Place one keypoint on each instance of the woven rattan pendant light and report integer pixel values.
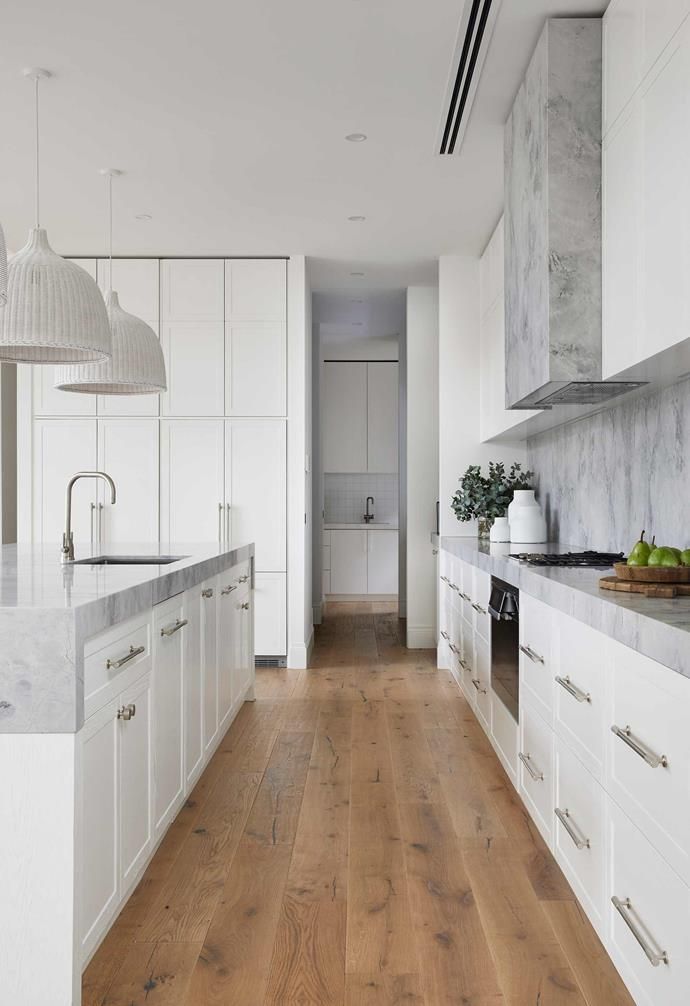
(136, 366)
(54, 312)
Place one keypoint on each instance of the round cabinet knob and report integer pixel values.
(208, 592)
(127, 712)
(245, 606)
(243, 579)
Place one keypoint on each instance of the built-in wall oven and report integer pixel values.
(504, 608)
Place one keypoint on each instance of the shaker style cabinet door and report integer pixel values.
(62, 447)
(192, 480)
(349, 561)
(194, 362)
(382, 565)
(193, 685)
(128, 452)
(209, 657)
(382, 417)
(256, 290)
(255, 368)
(256, 486)
(344, 417)
(167, 705)
(136, 777)
(270, 614)
(192, 290)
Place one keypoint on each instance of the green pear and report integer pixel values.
(663, 556)
(639, 553)
(677, 552)
(685, 557)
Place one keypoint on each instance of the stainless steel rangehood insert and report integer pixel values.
(553, 318)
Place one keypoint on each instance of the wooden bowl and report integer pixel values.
(652, 574)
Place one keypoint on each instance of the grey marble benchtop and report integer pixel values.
(48, 610)
(657, 627)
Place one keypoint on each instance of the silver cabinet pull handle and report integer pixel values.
(207, 592)
(444, 634)
(478, 607)
(93, 510)
(170, 630)
(245, 606)
(462, 663)
(567, 822)
(220, 523)
(100, 524)
(529, 652)
(434, 551)
(454, 586)
(624, 907)
(127, 712)
(452, 647)
(228, 536)
(465, 597)
(134, 651)
(527, 762)
(476, 682)
(627, 736)
(243, 578)
(229, 589)
(573, 690)
(445, 579)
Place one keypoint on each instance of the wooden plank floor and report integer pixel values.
(353, 842)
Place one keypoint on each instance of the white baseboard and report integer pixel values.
(317, 614)
(300, 653)
(421, 637)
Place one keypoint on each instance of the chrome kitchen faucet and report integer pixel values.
(369, 516)
(67, 554)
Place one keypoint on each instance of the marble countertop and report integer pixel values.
(48, 610)
(657, 627)
(361, 526)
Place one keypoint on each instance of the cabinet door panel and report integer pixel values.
(129, 405)
(344, 417)
(192, 290)
(136, 833)
(193, 684)
(382, 565)
(270, 614)
(194, 361)
(192, 479)
(62, 447)
(128, 452)
(227, 631)
(382, 417)
(244, 643)
(349, 560)
(256, 486)
(167, 718)
(256, 290)
(209, 653)
(136, 283)
(255, 369)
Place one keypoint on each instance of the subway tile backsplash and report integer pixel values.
(345, 497)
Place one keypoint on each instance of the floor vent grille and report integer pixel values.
(270, 662)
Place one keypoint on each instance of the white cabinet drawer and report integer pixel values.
(115, 658)
(535, 771)
(582, 671)
(580, 832)
(326, 539)
(657, 904)
(481, 681)
(648, 759)
(536, 663)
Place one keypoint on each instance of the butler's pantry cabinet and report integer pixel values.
(360, 416)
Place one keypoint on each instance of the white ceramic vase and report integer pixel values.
(500, 530)
(527, 523)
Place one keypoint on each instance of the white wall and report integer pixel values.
(458, 362)
(422, 463)
(359, 349)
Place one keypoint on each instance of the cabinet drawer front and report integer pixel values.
(481, 681)
(580, 831)
(536, 769)
(536, 663)
(657, 903)
(580, 679)
(481, 590)
(115, 658)
(648, 763)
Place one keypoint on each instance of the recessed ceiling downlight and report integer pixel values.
(356, 274)
(356, 137)
(143, 216)
(357, 219)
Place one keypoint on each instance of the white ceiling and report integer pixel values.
(229, 120)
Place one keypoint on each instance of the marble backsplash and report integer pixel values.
(602, 479)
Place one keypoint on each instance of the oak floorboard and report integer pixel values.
(153, 975)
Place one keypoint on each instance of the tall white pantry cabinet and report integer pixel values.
(204, 461)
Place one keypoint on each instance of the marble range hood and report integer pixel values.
(553, 280)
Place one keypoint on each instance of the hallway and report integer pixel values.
(353, 841)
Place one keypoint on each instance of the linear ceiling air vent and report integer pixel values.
(478, 19)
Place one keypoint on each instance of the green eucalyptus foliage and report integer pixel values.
(488, 496)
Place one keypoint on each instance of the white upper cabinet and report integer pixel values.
(192, 479)
(62, 447)
(256, 487)
(192, 290)
(136, 283)
(382, 417)
(255, 368)
(194, 360)
(256, 290)
(128, 452)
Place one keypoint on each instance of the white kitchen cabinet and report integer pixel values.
(227, 629)
(582, 661)
(256, 487)
(192, 499)
(244, 643)
(193, 684)
(194, 361)
(192, 290)
(255, 368)
(128, 452)
(349, 560)
(135, 784)
(536, 659)
(382, 562)
(382, 417)
(344, 417)
(167, 711)
(270, 626)
(481, 681)
(209, 659)
(256, 290)
(535, 772)
(136, 282)
(62, 447)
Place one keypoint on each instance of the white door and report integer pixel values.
(349, 561)
(128, 452)
(136, 833)
(382, 417)
(99, 824)
(167, 705)
(227, 618)
(256, 487)
(344, 417)
(194, 360)
(192, 480)
(270, 614)
(193, 685)
(256, 290)
(382, 561)
(62, 447)
(209, 659)
(255, 368)
(136, 282)
(192, 290)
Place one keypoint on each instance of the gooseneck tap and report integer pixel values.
(369, 516)
(67, 553)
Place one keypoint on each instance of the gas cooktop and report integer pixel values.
(600, 560)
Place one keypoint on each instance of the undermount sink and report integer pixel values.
(128, 560)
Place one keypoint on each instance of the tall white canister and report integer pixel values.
(527, 523)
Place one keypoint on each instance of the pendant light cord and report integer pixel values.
(37, 202)
(110, 232)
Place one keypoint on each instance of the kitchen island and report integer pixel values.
(117, 682)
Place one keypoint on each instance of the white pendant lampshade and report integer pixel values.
(135, 368)
(54, 311)
(3, 269)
